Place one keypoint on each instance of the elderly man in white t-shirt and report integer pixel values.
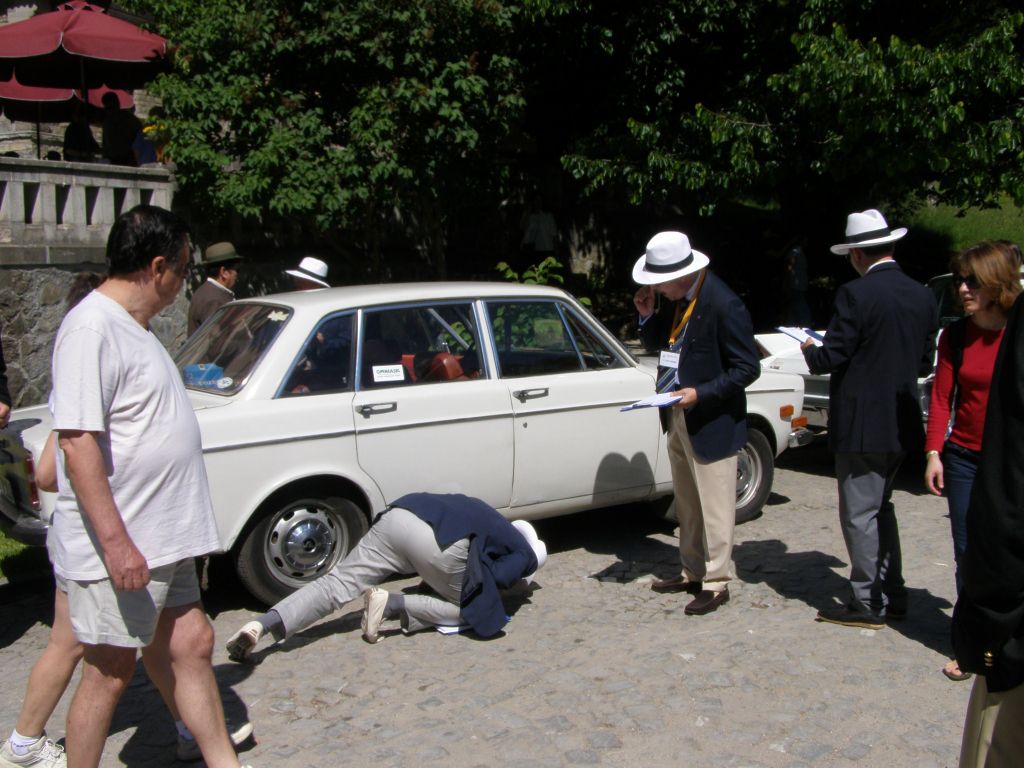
(133, 506)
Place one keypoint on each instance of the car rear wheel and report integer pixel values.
(295, 543)
(755, 471)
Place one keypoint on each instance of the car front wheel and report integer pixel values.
(296, 542)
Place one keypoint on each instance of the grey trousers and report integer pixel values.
(872, 535)
(399, 542)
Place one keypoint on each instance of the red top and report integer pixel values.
(980, 349)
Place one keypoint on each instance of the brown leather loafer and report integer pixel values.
(677, 584)
(706, 602)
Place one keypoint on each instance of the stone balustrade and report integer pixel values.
(59, 213)
(54, 221)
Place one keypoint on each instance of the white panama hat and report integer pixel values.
(311, 269)
(668, 256)
(865, 229)
(540, 549)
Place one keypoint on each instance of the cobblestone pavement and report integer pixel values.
(595, 669)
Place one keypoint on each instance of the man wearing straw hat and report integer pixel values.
(880, 339)
(708, 361)
(309, 275)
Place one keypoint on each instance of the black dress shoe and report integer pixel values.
(850, 617)
(676, 584)
(706, 602)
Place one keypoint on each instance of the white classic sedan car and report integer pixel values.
(318, 408)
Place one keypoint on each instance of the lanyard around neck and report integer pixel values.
(680, 323)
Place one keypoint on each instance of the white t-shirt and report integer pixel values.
(112, 377)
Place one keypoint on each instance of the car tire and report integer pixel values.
(295, 542)
(755, 472)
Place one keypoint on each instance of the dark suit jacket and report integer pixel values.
(718, 359)
(207, 299)
(499, 556)
(880, 339)
(989, 614)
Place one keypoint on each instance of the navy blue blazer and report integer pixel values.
(719, 359)
(880, 339)
(499, 556)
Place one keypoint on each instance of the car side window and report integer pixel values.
(325, 363)
(421, 344)
(530, 338)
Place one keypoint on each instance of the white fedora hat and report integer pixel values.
(668, 256)
(865, 229)
(540, 549)
(311, 269)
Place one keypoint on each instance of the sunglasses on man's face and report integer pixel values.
(970, 281)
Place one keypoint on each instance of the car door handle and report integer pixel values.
(372, 408)
(522, 395)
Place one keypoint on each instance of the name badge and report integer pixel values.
(668, 359)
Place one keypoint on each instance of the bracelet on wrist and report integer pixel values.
(929, 454)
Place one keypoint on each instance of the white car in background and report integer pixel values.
(318, 408)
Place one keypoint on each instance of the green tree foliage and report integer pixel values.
(361, 117)
(803, 103)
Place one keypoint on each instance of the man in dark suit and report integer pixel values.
(709, 359)
(221, 265)
(880, 339)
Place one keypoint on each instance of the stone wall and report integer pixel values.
(31, 309)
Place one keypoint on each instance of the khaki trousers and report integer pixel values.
(994, 729)
(705, 497)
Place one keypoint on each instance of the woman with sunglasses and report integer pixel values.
(986, 278)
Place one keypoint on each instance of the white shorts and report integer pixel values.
(101, 615)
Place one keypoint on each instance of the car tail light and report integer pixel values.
(33, 489)
(786, 411)
(798, 422)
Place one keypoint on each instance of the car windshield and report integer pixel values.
(224, 352)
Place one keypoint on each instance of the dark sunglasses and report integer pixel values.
(970, 281)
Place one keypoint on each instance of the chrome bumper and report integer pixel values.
(800, 436)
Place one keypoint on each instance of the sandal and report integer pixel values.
(953, 672)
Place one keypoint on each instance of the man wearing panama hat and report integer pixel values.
(708, 359)
(880, 339)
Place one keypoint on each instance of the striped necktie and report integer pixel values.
(667, 376)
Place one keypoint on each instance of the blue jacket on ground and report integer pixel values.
(499, 556)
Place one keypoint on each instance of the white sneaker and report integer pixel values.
(43, 753)
(374, 602)
(188, 749)
(241, 644)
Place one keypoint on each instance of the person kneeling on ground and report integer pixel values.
(463, 549)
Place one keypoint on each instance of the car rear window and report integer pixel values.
(224, 352)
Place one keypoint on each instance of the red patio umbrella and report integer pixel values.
(80, 46)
